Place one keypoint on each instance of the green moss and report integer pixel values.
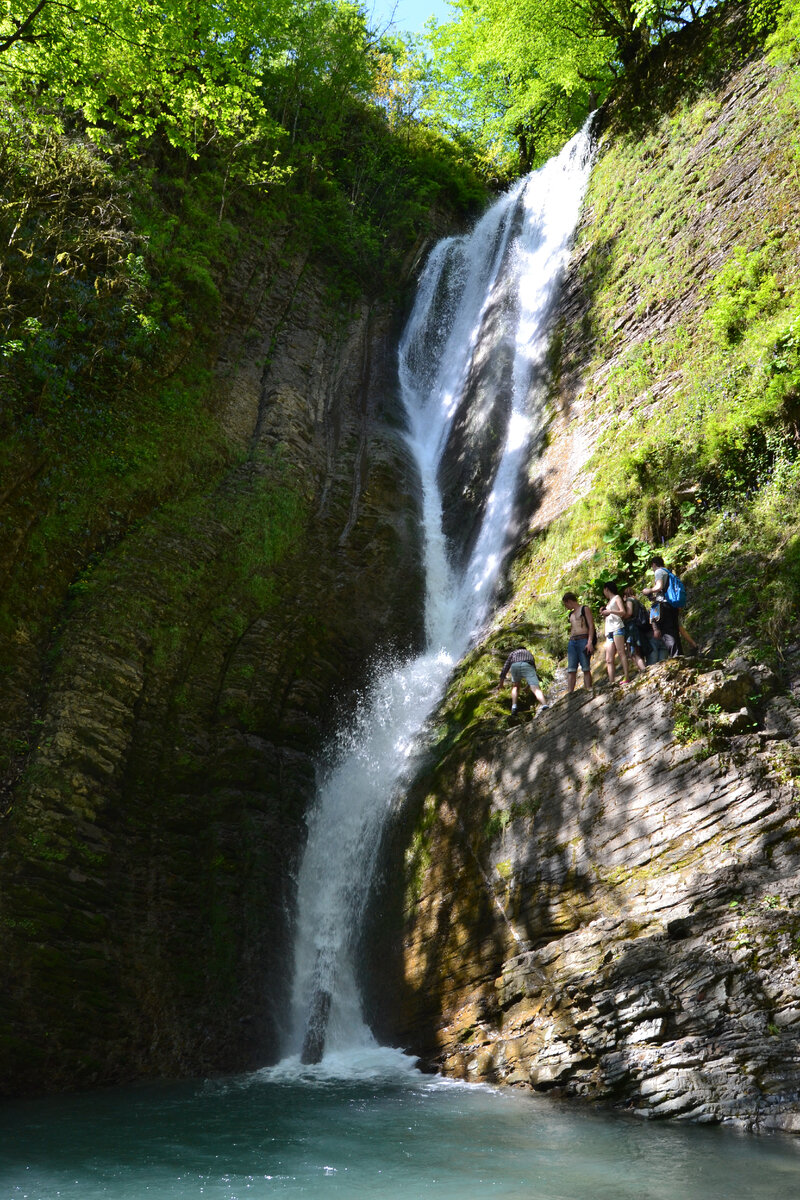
(417, 859)
(113, 273)
(663, 864)
(595, 777)
(784, 760)
(500, 819)
(722, 504)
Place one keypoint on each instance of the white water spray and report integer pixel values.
(522, 240)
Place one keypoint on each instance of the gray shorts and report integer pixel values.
(526, 671)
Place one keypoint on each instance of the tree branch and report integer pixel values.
(21, 33)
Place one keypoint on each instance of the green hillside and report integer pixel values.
(686, 349)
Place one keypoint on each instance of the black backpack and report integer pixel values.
(641, 616)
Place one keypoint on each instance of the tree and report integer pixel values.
(526, 74)
(190, 69)
(402, 79)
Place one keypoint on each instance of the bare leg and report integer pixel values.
(587, 681)
(636, 654)
(619, 642)
(610, 659)
(539, 694)
(571, 677)
(514, 696)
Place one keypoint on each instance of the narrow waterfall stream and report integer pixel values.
(512, 260)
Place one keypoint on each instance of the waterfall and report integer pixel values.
(521, 245)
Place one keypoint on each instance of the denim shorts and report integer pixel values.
(526, 671)
(577, 654)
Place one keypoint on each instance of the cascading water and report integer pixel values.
(520, 244)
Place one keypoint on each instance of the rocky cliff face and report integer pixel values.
(181, 706)
(605, 901)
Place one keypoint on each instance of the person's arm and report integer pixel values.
(504, 672)
(587, 612)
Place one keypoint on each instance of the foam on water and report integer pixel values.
(341, 1066)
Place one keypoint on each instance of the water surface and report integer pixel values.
(368, 1128)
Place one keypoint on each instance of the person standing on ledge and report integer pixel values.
(522, 665)
(614, 613)
(582, 640)
(668, 619)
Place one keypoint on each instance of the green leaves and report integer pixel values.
(744, 290)
(185, 68)
(627, 560)
(521, 78)
(515, 76)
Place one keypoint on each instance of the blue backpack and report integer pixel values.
(676, 591)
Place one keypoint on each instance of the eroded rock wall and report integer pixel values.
(185, 697)
(598, 906)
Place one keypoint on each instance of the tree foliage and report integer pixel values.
(188, 69)
(782, 18)
(525, 75)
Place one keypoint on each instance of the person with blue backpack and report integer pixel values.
(668, 596)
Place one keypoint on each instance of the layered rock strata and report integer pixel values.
(183, 702)
(605, 902)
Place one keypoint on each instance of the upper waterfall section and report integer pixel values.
(476, 343)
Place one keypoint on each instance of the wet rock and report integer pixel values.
(478, 431)
(149, 853)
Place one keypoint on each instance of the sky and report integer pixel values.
(409, 15)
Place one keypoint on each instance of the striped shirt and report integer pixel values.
(520, 655)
